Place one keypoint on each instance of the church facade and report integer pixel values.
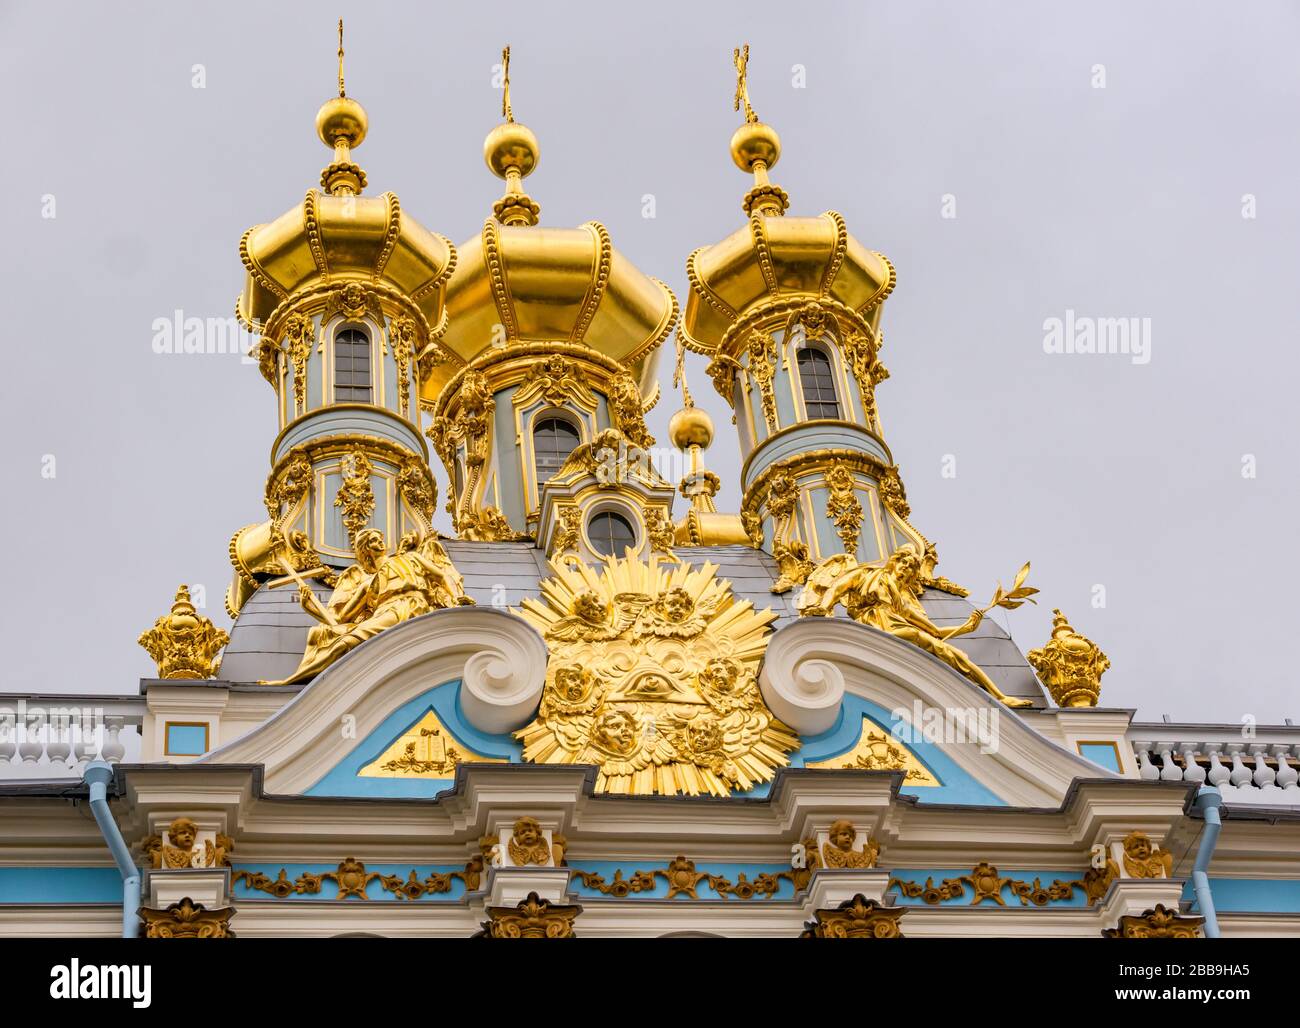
(602, 706)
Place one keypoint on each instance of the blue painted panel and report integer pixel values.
(1101, 753)
(1079, 898)
(955, 784)
(186, 740)
(732, 872)
(1250, 895)
(443, 700)
(60, 885)
(329, 890)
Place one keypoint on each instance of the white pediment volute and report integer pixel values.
(499, 659)
(813, 663)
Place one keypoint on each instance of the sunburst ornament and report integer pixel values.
(652, 678)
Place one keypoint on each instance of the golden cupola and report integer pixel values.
(546, 326)
(788, 311)
(346, 291)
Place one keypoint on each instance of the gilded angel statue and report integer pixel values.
(888, 598)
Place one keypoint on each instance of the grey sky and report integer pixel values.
(1124, 201)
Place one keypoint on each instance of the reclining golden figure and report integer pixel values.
(375, 593)
(889, 598)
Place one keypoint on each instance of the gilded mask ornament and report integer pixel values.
(179, 848)
(1157, 923)
(840, 849)
(652, 679)
(1143, 860)
(183, 643)
(528, 844)
(888, 598)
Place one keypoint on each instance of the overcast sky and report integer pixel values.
(1099, 159)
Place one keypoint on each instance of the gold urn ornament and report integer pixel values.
(183, 643)
(1070, 665)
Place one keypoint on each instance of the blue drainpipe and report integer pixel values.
(1208, 802)
(97, 775)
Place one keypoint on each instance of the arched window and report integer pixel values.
(610, 534)
(818, 382)
(553, 440)
(351, 366)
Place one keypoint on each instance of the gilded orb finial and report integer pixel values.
(1070, 665)
(512, 152)
(183, 642)
(755, 147)
(341, 125)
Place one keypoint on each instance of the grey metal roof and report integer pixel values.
(270, 633)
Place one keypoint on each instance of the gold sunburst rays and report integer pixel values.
(652, 678)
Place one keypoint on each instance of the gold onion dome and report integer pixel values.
(336, 235)
(518, 282)
(776, 259)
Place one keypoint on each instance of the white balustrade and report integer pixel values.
(1262, 773)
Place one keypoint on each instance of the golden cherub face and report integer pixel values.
(676, 605)
(720, 675)
(527, 831)
(842, 835)
(615, 732)
(590, 607)
(183, 832)
(573, 682)
(1138, 846)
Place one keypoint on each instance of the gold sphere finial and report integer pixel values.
(341, 124)
(512, 152)
(341, 119)
(511, 147)
(754, 143)
(691, 426)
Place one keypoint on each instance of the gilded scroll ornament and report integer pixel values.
(352, 880)
(299, 331)
(355, 498)
(187, 920)
(377, 592)
(762, 369)
(659, 530)
(791, 554)
(1070, 665)
(987, 886)
(888, 598)
(1157, 923)
(487, 525)
(284, 490)
(877, 751)
(722, 371)
(533, 918)
(840, 848)
(418, 489)
(183, 643)
(683, 879)
(858, 918)
(651, 677)
(403, 334)
(843, 506)
(568, 536)
(892, 493)
(626, 410)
